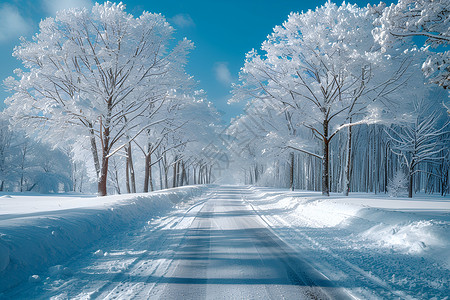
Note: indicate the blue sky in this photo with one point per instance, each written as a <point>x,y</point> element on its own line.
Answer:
<point>222,31</point>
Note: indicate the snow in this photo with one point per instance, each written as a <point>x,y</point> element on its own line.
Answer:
<point>79,246</point>
<point>402,244</point>
<point>435,205</point>
<point>42,231</point>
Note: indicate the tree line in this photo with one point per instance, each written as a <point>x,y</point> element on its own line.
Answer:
<point>339,99</point>
<point>113,88</point>
<point>339,103</point>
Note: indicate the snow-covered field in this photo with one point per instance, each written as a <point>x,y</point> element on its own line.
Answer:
<point>38,231</point>
<point>372,245</point>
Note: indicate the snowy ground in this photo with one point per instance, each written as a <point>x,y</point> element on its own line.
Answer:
<point>378,247</point>
<point>69,246</point>
<point>38,232</point>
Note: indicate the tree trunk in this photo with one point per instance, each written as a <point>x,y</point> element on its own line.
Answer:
<point>131,169</point>
<point>210,174</point>
<point>116,179</point>
<point>147,171</point>
<point>195,177</point>
<point>183,175</point>
<point>325,161</point>
<point>22,167</point>
<point>102,181</point>
<point>74,176</point>
<point>160,175</point>
<point>348,167</point>
<point>148,178</point>
<point>374,169</point>
<point>386,168</point>
<point>188,175</point>
<point>410,184</point>
<point>291,173</point>
<point>166,171</point>
<point>94,151</point>
<point>166,177</point>
<point>179,174</point>
<point>150,175</point>
<point>103,176</point>
<point>174,179</point>
<point>127,173</point>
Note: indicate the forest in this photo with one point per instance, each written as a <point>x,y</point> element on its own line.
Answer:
<point>339,99</point>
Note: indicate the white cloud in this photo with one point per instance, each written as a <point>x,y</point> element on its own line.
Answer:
<point>12,24</point>
<point>183,21</point>
<point>52,6</point>
<point>222,73</point>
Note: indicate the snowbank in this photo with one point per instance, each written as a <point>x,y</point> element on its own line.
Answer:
<point>400,244</point>
<point>41,231</point>
<point>417,226</point>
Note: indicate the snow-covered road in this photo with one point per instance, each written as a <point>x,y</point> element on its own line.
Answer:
<point>218,248</point>
<point>229,253</point>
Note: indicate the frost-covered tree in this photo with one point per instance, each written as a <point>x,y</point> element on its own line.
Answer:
<point>27,165</point>
<point>398,184</point>
<point>198,125</point>
<point>323,70</point>
<point>426,18</point>
<point>168,153</point>
<point>5,143</point>
<point>266,132</point>
<point>91,75</point>
<point>419,141</point>
<point>246,138</point>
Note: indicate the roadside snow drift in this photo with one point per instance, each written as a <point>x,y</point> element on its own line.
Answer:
<point>379,243</point>
<point>406,226</point>
<point>39,231</point>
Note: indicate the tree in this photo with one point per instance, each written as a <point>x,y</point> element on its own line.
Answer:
<point>426,18</point>
<point>323,70</point>
<point>5,143</point>
<point>92,75</point>
<point>397,185</point>
<point>193,135</point>
<point>418,141</point>
<point>170,150</point>
<point>27,165</point>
